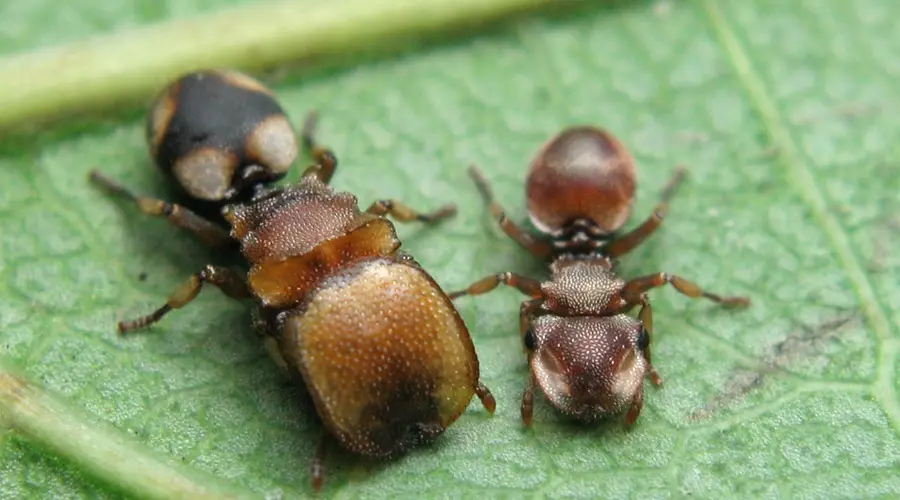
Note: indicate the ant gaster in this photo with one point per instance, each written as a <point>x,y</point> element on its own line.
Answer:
<point>585,353</point>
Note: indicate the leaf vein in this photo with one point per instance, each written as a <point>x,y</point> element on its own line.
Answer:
<point>805,183</point>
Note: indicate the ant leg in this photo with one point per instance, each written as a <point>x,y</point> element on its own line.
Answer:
<point>317,467</point>
<point>207,231</point>
<point>271,345</point>
<point>627,242</point>
<point>635,289</point>
<point>224,279</point>
<point>404,213</point>
<point>637,404</point>
<point>525,285</point>
<point>528,399</point>
<point>538,248</point>
<point>646,317</point>
<point>526,312</point>
<point>325,161</point>
<point>487,399</point>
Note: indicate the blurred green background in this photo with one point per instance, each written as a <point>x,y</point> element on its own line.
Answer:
<point>785,115</point>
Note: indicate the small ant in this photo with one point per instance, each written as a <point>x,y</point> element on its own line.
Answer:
<point>585,353</point>
<point>381,348</point>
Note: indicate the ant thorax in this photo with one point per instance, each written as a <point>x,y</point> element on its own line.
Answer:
<point>581,286</point>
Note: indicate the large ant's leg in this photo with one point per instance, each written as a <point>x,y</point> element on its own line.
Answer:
<point>226,280</point>
<point>324,160</point>
<point>628,241</point>
<point>525,285</point>
<point>538,248</point>
<point>634,290</point>
<point>326,163</point>
<point>404,213</point>
<point>487,399</point>
<point>207,231</point>
<point>317,466</point>
<point>646,337</point>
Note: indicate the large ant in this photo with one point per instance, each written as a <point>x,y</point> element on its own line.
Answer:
<point>381,348</point>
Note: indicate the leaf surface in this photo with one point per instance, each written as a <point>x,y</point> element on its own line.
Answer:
<point>783,113</point>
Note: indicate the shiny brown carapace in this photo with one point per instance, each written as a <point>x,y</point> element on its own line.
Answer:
<point>586,353</point>
<point>379,345</point>
<point>582,173</point>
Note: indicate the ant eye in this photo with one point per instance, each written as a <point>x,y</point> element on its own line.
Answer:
<point>643,340</point>
<point>529,339</point>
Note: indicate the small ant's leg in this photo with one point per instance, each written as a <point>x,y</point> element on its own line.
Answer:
<point>226,280</point>
<point>325,161</point>
<point>538,248</point>
<point>628,241</point>
<point>646,315</point>
<point>317,467</point>
<point>525,314</point>
<point>525,285</point>
<point>528,400</point>
<point>487,399</point>
<point>635,289</point>
<point>404,213</point>
<point>526,311</point>
<point>637,404</point>
<point>645,338</point>
<point>208,232</point>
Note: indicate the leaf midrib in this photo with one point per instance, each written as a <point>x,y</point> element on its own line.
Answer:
<point>804,183</point>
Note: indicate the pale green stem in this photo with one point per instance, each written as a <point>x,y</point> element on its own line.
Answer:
<point>100,449</point>
<point>101,71</point>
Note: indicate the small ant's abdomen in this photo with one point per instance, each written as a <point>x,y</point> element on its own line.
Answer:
<point>385,355</point>
<point>582,173</point>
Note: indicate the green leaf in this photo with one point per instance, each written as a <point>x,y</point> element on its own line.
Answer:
<point>783,113</point>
